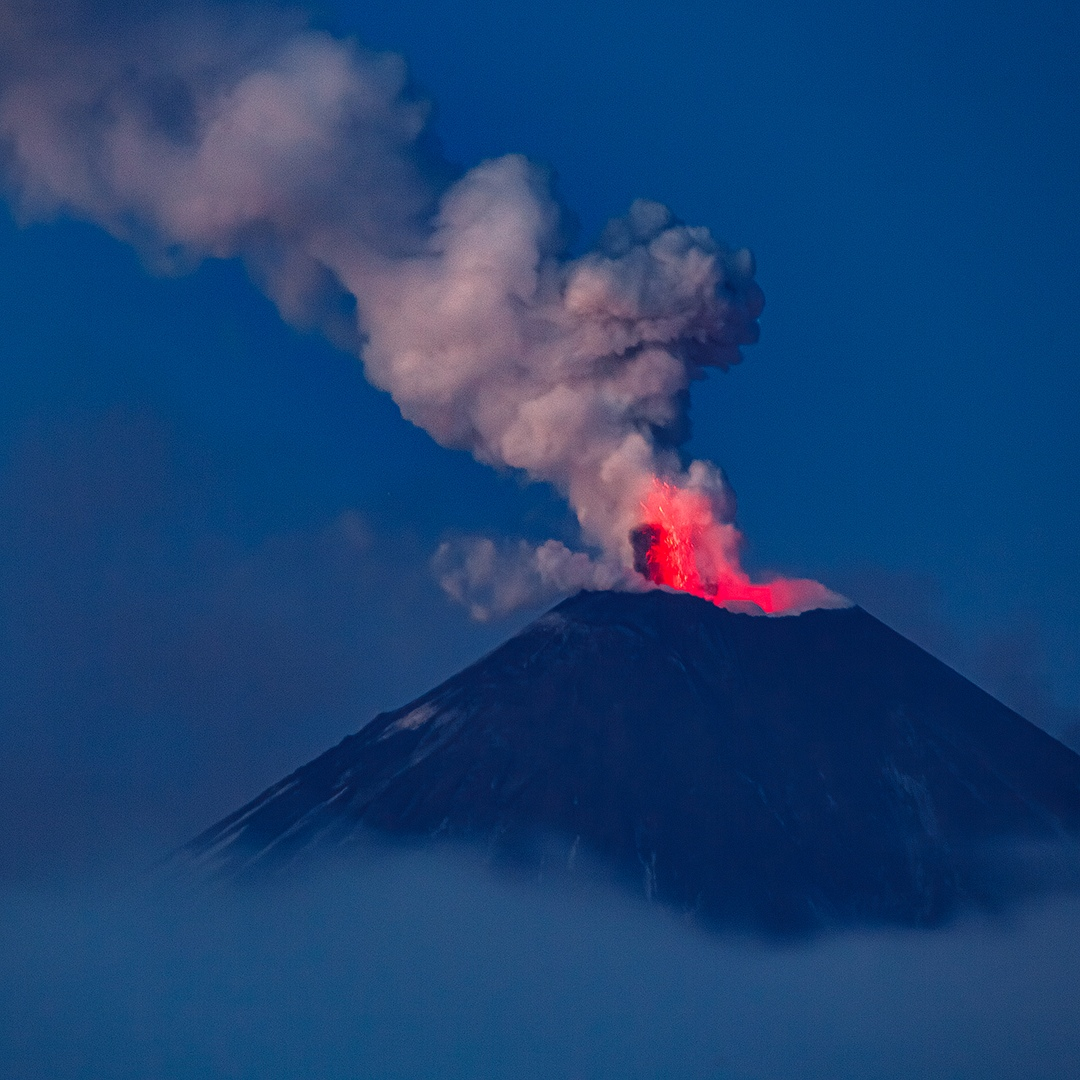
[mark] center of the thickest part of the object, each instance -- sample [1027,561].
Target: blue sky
[219,534]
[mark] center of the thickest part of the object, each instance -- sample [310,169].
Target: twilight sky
[217,534]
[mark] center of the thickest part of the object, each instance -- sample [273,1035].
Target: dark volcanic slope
[779,772]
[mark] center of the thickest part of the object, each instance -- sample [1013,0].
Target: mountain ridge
[783,773]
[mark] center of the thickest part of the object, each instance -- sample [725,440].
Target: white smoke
[493,580]
[239,131]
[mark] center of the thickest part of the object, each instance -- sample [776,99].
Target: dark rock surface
[775,773]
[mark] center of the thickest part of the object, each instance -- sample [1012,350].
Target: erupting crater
[682,545]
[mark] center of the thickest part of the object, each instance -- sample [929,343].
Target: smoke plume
[222,132]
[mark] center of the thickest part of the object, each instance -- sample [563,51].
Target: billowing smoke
[246,132]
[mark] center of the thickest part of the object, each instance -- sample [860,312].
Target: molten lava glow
[689,550]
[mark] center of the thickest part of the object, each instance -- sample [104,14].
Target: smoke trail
[246,132]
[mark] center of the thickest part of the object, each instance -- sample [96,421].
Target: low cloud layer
[422,966]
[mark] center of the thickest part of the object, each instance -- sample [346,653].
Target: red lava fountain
[681,544]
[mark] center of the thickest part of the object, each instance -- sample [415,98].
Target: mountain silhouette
[775,773]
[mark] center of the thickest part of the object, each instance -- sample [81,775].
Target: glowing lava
[682,545]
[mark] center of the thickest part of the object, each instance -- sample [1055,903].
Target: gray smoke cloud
[495,579]
[202,132]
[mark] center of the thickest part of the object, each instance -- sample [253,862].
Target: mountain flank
[779,773]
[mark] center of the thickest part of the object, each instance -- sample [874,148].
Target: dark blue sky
[217,535]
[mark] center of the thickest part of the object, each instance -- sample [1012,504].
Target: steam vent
[779,774]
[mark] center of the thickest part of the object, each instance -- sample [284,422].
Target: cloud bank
[422,966]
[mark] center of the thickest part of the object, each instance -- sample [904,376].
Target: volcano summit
[775,773]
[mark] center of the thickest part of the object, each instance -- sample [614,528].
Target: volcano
[777,773]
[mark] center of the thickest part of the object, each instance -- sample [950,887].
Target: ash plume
[220,132]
